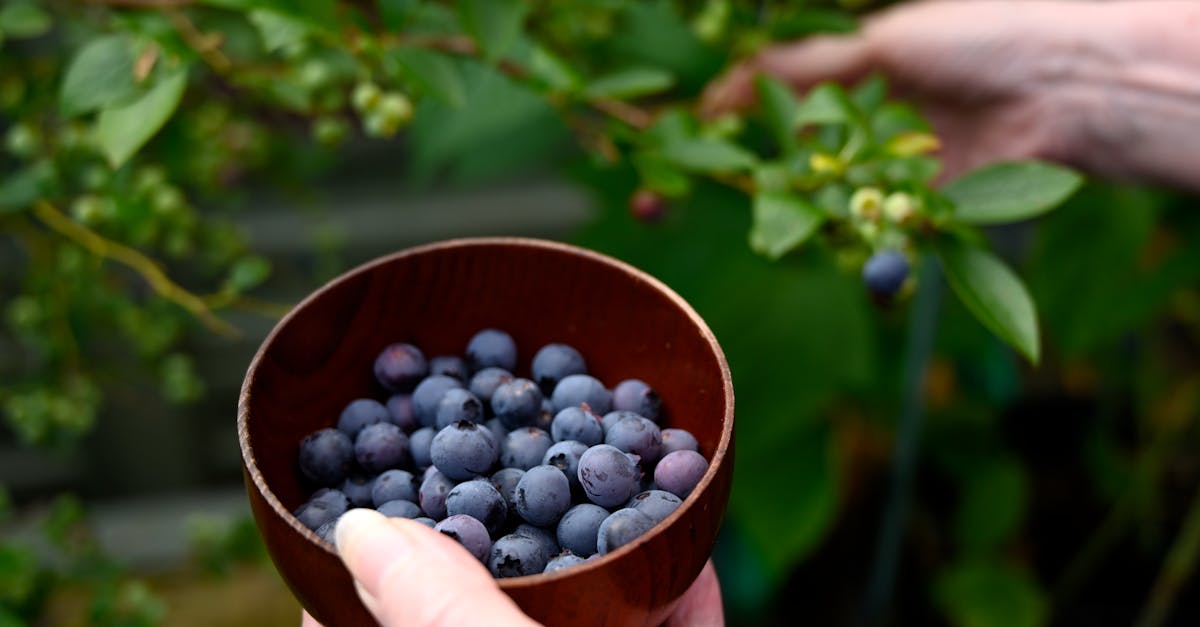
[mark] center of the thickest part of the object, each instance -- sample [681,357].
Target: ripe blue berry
[400,411]
[381,446]
[491,347]
[392,485]
[656,504]
[458,404]
[578,529]
[516,555]
[636,435]
[424,520]
[680,472]
[885,272]
[324,506]
[469,532]
[620,528]
[480,499]
[543,495]
[613,417]
[449,365]
[577,389]
[505,480]
[517,403]
[326,530]
[559,562]
[360,413]
[524,448]
[483,385]
[464,450]
[432,495]
[678,440]
[428,395]
[326,456]
[399,509]
[400,366]
[579,424]
[607,475]
[358,490]
[497,429]
[418,446]
[636,396]
[553,363]
[544,537]
[565,457]
[545,415]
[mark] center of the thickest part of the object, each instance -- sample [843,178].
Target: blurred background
[1062,494]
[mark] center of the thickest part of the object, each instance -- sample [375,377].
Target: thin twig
[207,45]
[143,265]
[1176,569]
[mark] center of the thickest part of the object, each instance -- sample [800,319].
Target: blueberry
[480,499]
[324,506]
[326,530]
[517,403]
[381,446]
[418,446]
[464,450]
[885,272]
[680,472]
[326,456]
[424,520]
[655,504]
[499,432]
[399,509]
[484,384]
[360,413]
[613,417]
[505,480]
[516,555]
[545,415]
[608,476]
[400,366]
[524,448]
[458,405]
[491,347]
[577,389]
[432,495]
[428,395]
[400,411]
[678,440]
[636,435]
[543,495]
[553,363]
[620,528]
[635,396]
[358,490]
[578,529]
[449,365]
[579,424]
[393,485]
[544,537]
[468,532]
[565,457]
[559,562]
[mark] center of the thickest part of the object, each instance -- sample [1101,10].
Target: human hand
[1107,86]
[407,574]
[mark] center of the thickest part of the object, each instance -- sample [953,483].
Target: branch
[143,265]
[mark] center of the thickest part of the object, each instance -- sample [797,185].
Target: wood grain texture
[626,324]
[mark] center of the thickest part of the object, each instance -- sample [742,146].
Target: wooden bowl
[626,324]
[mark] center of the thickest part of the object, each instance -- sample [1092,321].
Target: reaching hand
[1109,86]
[407,574]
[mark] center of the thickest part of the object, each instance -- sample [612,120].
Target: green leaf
[24,19]
[1007,192]
[870,94]
[100,74]
[660,175]
[278,31]
[992,503]
[630,83]
[248,273]
[779,107]
[122,130]
[782,221]
[396,13]
[432,73]
[981,594]
[493,24]
[826,103]
[19,190]
[813,20]
[706,154]
[994,294]
[548,68]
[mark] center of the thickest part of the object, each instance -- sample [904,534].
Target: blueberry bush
[132,129]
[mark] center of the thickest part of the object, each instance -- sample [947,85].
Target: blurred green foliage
[130,133]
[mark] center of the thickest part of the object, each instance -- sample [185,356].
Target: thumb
[407,574]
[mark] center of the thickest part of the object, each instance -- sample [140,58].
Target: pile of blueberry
[529,475]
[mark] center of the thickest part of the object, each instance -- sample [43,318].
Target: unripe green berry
[866,203]
[23,140]
[329,131]
[396,106]
[94,177]
[167,200]
[314,73]
[365,97]
[899,207]
[147,178]
[822,163]
[378,125]
[88,209]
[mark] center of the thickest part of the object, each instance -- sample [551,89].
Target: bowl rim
[715,462]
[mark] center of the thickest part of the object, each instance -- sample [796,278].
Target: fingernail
[353,524]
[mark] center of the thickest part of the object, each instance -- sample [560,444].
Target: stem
[143,265]
[1176,569]
[921,331]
